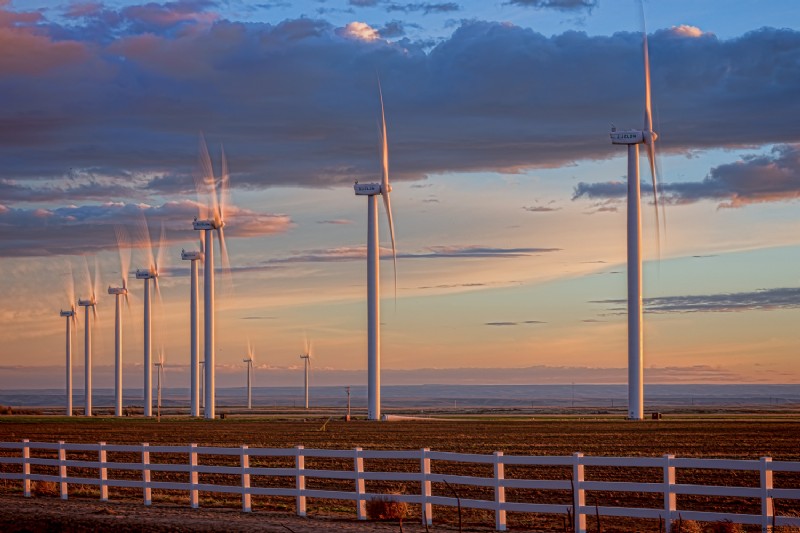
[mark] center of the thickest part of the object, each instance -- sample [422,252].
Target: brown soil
[722,437]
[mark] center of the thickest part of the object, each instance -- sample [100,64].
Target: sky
[508,197]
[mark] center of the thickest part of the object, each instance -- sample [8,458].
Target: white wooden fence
[576,484]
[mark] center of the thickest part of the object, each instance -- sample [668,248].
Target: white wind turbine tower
[194,346]
[123,243]
[371,191]
[249,361]
[87,303]
[159,377]
[147,274]
[306,357]
[633,138]
[209,220]
[72,317]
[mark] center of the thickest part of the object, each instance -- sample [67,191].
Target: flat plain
[717,436]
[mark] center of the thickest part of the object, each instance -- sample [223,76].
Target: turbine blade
[144,241]
[225,261]
[87,276]
[71,285]
[95,280]
[224,185]
[161,258]
[204,181]
[648,108]
[124,248]
[127,302]
[651,156]
[649,135]
[385,187]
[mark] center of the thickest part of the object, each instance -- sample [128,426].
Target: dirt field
[720,437]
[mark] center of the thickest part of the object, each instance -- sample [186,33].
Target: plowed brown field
[707,437]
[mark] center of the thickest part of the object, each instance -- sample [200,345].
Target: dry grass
[385,508]
[44,488]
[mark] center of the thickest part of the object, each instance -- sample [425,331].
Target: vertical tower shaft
[87,392]
[118,357]
[249,385]
[305,361]
[635,334]
[208,318]
[373,311]
[148,360]
[69,368]
[195,343]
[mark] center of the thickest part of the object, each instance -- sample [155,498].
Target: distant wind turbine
[123,243]
[371,191]
[160,375]
[306,357]
[249,360]
[87,303]
[147,274]
[194,345]
[633,138]
[211,218]
[72,318]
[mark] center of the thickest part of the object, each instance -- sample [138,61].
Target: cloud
[761,300]
[335,221]
[770,177]
[361,31]
[541,208]
[560,5]
[514,323]
[426,8]
[78,230]
[123,92]
[353,253]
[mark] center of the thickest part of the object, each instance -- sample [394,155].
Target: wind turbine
[633,138]
[371,191]
[147,274]
[209,220]
[123,243]
[160,365]
[87,344]
[72,318]
[306,357]
[194,359]
[249,360]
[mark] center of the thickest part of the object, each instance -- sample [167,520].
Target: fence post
[767,510]
[244,461]
[578,494]
[358,468]
[148,492]
[103,473]
[193,498]
[670,503]
[425,471]
[300,484]
[62,469]
[26,468]
[499,492]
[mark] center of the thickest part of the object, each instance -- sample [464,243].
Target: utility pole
[347,418]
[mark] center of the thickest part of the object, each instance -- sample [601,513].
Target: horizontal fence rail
[50,463]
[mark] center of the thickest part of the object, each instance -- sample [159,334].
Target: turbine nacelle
[87,303]
[150,273]
[208,224]
[368,189]
[192,255]
[70,313]
[628,136]
[118,291]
